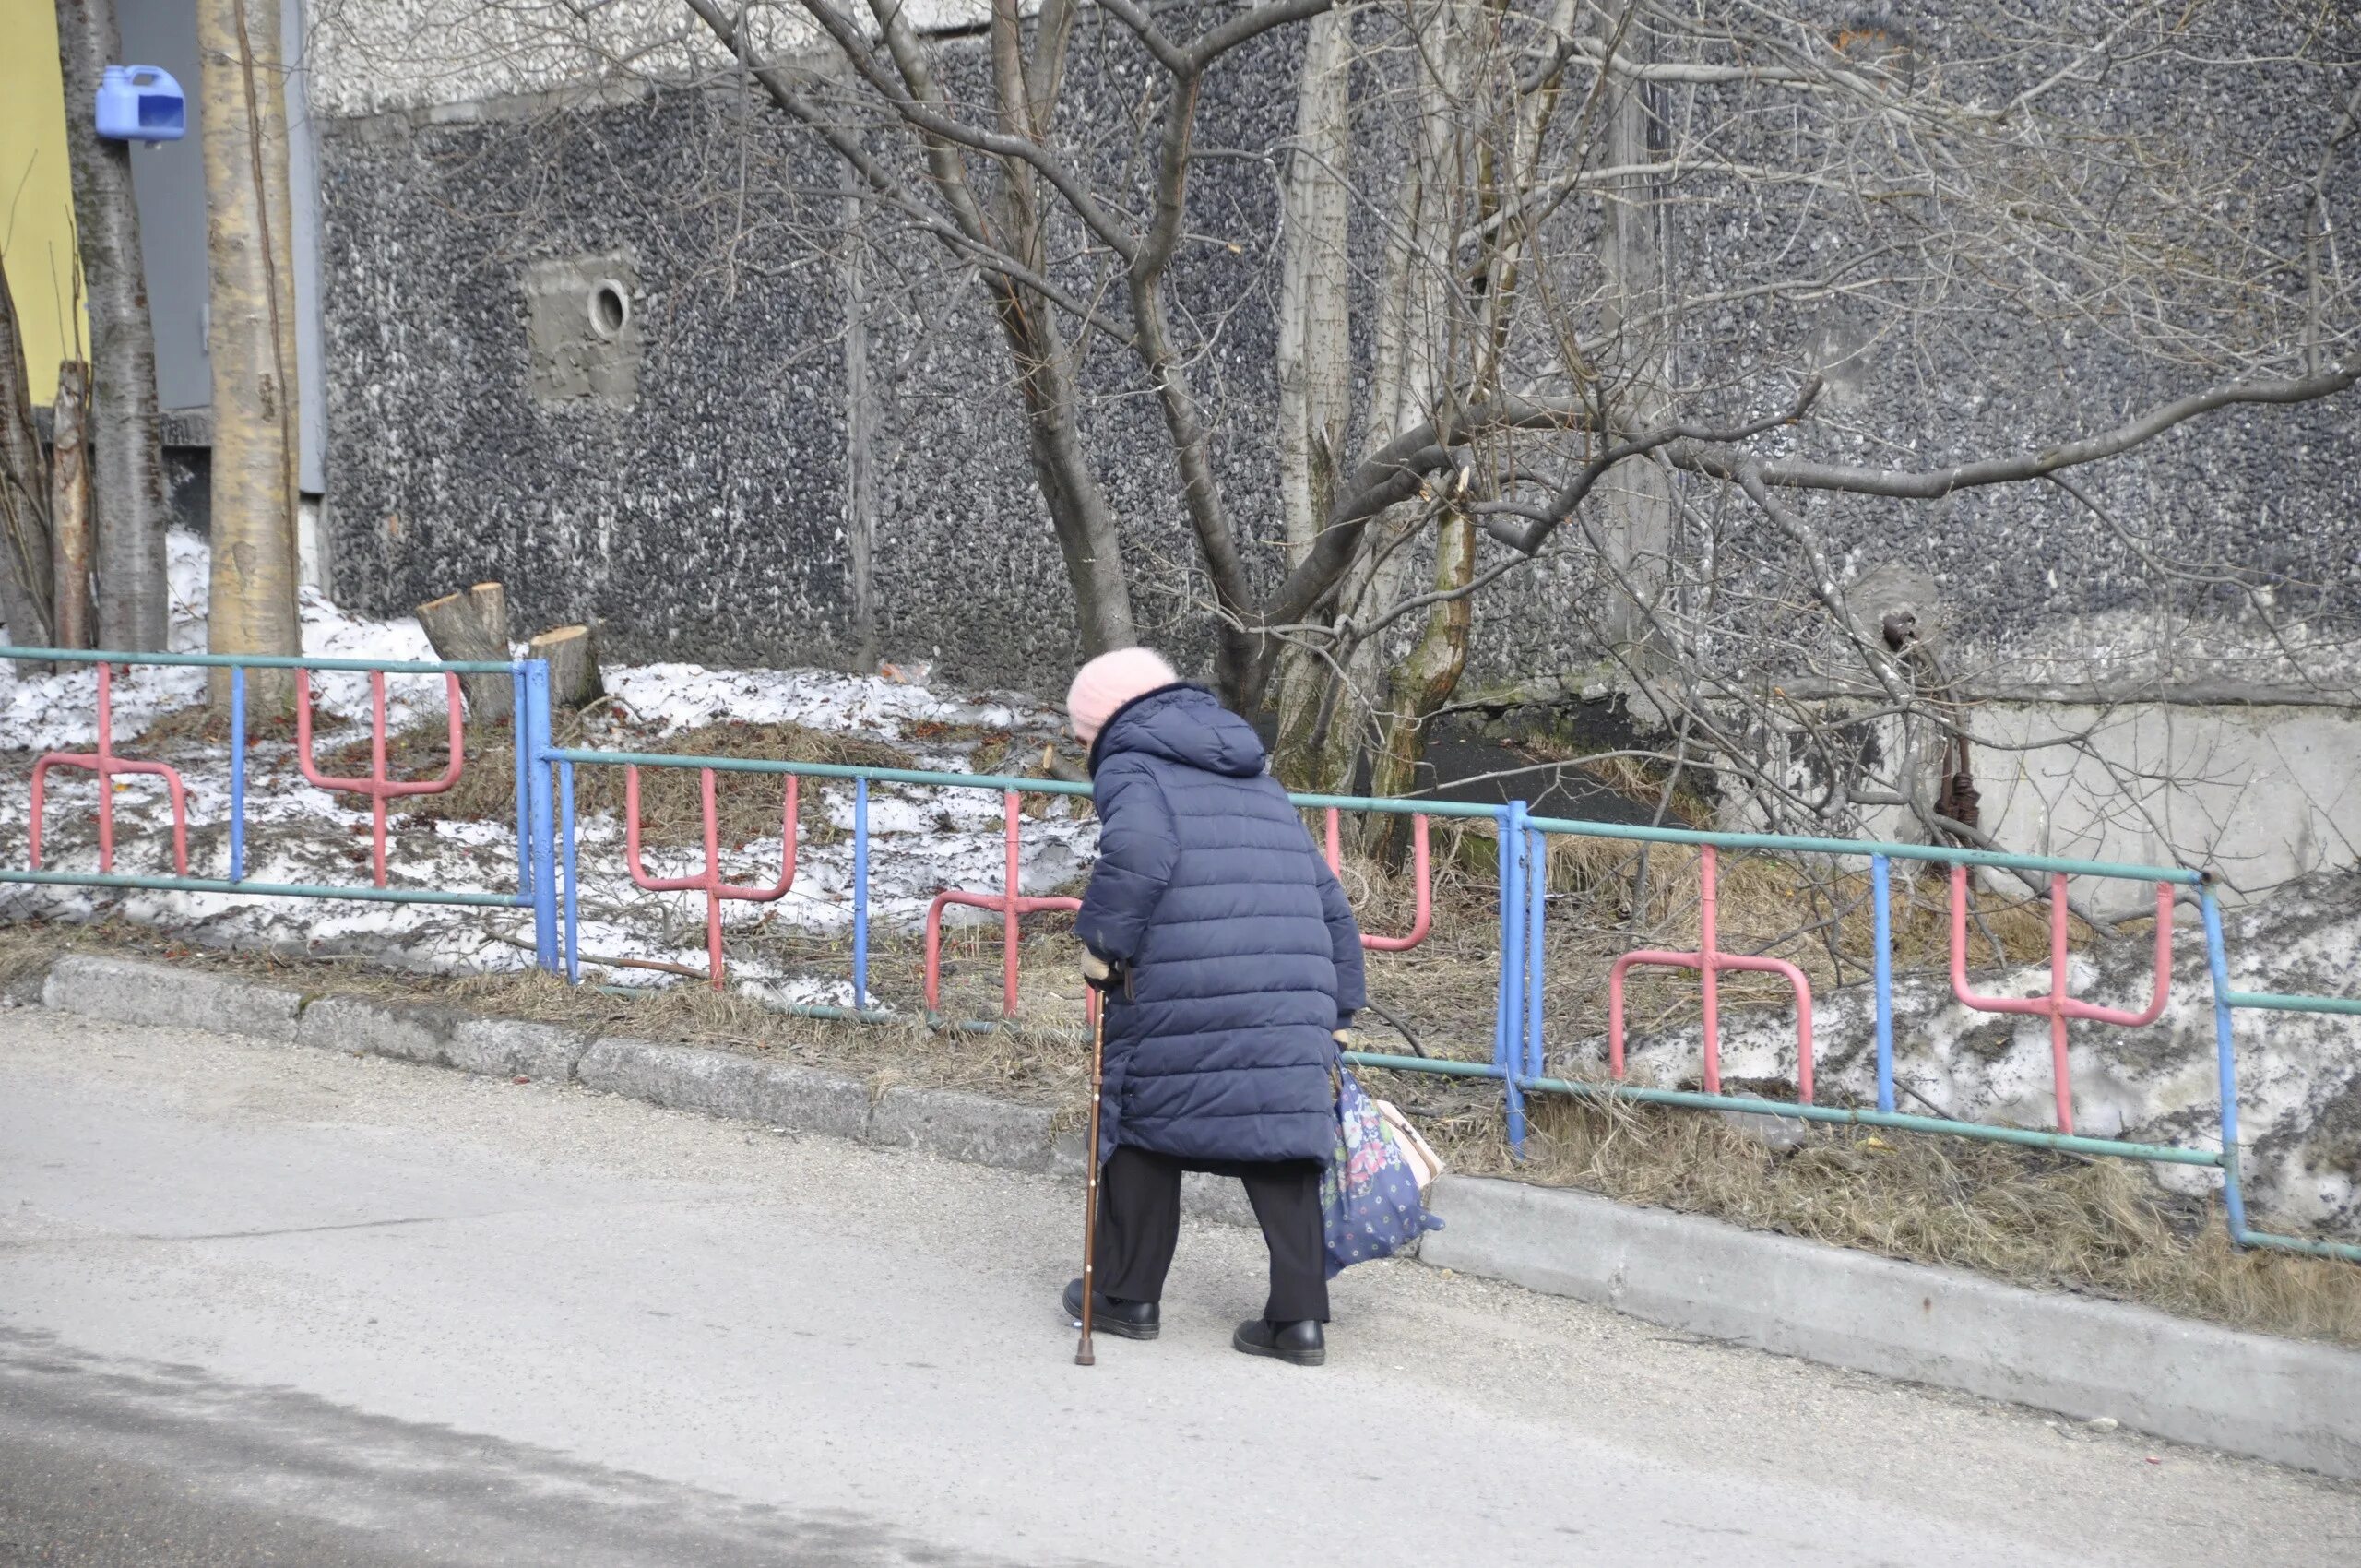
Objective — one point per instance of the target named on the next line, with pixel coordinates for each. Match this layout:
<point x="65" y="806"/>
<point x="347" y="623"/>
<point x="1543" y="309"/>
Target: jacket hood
<point x="1184" y="724"/>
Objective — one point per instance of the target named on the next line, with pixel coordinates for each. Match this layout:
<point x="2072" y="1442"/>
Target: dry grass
<point x="203" y="723"/>
<point x="2038" y="1218"/>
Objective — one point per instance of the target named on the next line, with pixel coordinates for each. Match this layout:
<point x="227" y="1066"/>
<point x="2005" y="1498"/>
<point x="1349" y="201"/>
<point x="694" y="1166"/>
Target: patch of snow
<point x="680" y="696"/>
<point x="921" y="841"/>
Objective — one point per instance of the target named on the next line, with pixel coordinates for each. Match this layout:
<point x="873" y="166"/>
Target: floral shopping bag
<point x="1369" y="1200"/>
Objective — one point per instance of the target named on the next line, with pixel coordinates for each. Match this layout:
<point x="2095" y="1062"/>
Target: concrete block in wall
<point x="581" y="337"/>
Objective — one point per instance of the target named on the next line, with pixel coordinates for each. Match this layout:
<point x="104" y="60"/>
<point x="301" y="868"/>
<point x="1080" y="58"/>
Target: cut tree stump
<point x="468" y="627"/>
<point x="572" y="653"/>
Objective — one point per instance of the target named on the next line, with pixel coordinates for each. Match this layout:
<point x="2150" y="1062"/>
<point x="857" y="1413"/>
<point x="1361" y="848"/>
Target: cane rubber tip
<point x="1084" y="1358"/>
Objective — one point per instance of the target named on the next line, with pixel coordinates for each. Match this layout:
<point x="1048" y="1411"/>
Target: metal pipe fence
<point x="536" y="887"/>
<point x="548" y="883"/>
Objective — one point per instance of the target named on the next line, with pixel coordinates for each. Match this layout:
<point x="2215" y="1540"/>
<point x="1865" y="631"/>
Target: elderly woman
<point x="1232" y="969"/>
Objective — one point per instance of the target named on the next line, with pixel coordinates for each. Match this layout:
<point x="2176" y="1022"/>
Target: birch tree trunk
<point x="1412" y="351"/>
<point x="24" y="498"/>
<point x="1638" y="496"/>
<point x="126" y="454"/>
<point x="1423" y="681"/>
<point x="249" y="219"/>
<point x="74" y="553"/>
<point x="1314" y="350"/>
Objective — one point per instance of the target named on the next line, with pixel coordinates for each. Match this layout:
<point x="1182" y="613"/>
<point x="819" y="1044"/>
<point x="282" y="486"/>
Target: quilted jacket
<point x="1238" y="949"/>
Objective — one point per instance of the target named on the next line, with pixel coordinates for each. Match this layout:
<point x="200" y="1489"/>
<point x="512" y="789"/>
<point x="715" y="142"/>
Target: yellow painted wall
<point x="36" y="191"/>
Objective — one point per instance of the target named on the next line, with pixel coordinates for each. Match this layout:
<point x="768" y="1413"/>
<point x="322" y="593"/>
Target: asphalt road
<point x="267" y="1304"/>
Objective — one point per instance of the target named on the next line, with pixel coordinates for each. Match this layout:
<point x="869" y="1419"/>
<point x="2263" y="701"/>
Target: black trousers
<point x="1139" y="1225"/>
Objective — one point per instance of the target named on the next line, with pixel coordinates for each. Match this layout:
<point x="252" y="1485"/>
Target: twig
<point x="1416" y="1048"/>
<point x="657" y="964"/>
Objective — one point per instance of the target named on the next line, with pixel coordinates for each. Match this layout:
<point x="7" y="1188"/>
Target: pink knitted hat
<point x="1110" y="680"/>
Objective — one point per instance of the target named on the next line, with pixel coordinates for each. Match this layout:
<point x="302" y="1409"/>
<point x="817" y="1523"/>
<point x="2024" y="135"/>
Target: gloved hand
<point x="1347" y="1040"/>
<point x="1098" y="974"/>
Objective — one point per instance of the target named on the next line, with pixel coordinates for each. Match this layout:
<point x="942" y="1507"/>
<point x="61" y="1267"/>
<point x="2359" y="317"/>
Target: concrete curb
<point x="949" y="1124"/>
<point x="720" y="1083"/>
<point x="958" y="1125"/>
<point x="157" y="993"/>
<point x="2285" y="1400"/>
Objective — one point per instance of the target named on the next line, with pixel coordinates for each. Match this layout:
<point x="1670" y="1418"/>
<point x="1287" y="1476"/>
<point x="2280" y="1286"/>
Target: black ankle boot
<point x="1130" y="1320"/>
<point x="1300" y="1343"/>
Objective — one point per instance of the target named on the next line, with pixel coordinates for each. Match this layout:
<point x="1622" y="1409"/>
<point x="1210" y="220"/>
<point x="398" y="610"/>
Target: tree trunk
<point x="25" y="569"/>
<point x="1332" y="724"/>
<point x="1638" y="496"/>
<point x="1423" y="681"/>
<point x="127" y="458"/>
<point x="1079" y="514"/>
<point x="1314" y="351"/>
<point x="251" y="339"/>
<point x="572" y="653"/>
<point x="471" y="627"/>
<point x="76" y="556"/>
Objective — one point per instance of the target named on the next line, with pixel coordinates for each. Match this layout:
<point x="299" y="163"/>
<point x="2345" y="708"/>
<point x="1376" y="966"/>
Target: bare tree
<point x="126" y="468"/>
<point x="1609" y="402"/>
<point x="1627" y="327"/>
<point x="73" y="547"/>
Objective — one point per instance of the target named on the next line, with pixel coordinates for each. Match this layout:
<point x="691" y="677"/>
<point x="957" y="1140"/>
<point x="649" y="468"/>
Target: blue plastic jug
<point x="141" y="104"/>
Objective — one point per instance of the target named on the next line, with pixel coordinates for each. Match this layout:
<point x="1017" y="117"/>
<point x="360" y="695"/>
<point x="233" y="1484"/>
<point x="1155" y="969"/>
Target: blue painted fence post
<point x="860" y="894"/>
<point x="1536" y="868"/>
<point x="572" y="913"/>
<point x="535" y="744"/>
<point x="2217" y="960"/>
<point x="519" y="732"/>
<point x="1880" y="892"/>
<point x="1508" y="1035"/>
<point x="238" y="773"/>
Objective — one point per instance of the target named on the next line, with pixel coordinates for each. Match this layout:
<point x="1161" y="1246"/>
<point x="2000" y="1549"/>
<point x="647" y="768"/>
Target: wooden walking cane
<point x="1097" y="1004"/>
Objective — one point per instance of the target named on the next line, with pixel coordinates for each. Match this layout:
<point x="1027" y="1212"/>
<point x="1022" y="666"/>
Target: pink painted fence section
<point x="380" y="787"/>
<point x="1422" y="872"/>
<point x="708" y="881"/>
<point x="108" y="768"/>
<point x="2058" y="1007"/>
<point x="1009" y="903"/>
<point x="1710" y="964"/>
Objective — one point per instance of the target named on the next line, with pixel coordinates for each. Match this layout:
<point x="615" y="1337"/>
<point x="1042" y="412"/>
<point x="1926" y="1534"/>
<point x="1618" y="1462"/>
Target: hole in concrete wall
<point x="582" y="329"/>
<point x="610" y="308"/>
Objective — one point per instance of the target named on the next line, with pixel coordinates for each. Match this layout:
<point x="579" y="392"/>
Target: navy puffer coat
<point x="1242" y="956"/>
